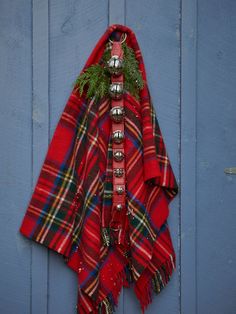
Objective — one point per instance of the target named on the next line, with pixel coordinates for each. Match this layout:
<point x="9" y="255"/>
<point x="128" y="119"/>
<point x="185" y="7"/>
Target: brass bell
<point x="120" y="190"/>
<point x="117" y="113"/>
<point x="118" y="172"/>
<point x="118" y="136"/>
<point x="118" y="155"/>
<point x="116" y="90"/>
<point x="115" y="65"/>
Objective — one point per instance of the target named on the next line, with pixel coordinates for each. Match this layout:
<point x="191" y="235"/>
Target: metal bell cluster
<point x="115" y="66"/>
<point x="117" y="113"/>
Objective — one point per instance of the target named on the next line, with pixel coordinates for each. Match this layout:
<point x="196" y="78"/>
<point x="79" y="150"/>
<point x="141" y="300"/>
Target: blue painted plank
<point x="156" y="24"/>
<point x="216" y="150"/>
<point x="40" y="133"/>
<point x="116" y="12"/>
<point x="15" y="157"/>
<point x="188" y="156"/>
<point x="75" y="27"/>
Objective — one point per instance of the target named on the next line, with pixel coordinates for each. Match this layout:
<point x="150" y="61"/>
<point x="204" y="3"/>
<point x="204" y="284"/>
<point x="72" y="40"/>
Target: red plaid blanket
<point x="75" y="186"/>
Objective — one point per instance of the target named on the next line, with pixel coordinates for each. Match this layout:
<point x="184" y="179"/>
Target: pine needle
<point x="95" y="80"/>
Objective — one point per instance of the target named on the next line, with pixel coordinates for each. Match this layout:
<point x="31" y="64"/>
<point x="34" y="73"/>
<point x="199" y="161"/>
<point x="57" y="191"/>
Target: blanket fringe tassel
<point x="106" y="236"/>
<point x="158" y="281"/>
<point x="106" y="306"/>
<point x="110" y="302"/>
<point x="156" y="284"/>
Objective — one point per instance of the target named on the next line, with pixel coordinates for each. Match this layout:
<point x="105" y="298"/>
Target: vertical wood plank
<point x="216" y="150"/>
<point x="188" y="155"/>
<point x="15" y="156"/>
<point x="40" y="116"/>
<point x="75" y="27"/>
<point x="157" y="27"/>
<point x="116" y="12"/>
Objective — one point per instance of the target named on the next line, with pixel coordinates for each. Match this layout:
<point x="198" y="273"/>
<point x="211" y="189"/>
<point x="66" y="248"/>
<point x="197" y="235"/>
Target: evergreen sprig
<point x="96" y="78"/>
<point x="133" y="78"/>
<point x="96" y="81"/>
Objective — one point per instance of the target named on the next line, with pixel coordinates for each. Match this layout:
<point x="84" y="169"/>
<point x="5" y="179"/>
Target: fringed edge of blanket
<point x="109" y="302"/>
<point x="156" y="283"/>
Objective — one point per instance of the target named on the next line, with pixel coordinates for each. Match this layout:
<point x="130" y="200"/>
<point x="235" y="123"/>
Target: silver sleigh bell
<point x="117" y="114"/>
<point x="118" y="136"/>
<point x="120" y="190"/>
<point x="116" y="90"/>
<point x="115" y="65"/>
<point x="118" y="155"/>
<point x="118" y="172"/>
<point x="119" y="207"/>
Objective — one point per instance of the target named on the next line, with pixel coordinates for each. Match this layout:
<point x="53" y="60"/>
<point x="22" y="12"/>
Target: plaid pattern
<point x="74" y="188"/>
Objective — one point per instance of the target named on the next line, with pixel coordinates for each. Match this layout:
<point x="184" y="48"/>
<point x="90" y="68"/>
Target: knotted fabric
<point x="72" y="203"/>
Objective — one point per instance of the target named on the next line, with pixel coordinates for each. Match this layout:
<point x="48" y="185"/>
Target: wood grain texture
<point x="216" y="150"/>
<point x="188" y="156"/>
<point x="117" y="12"/>
<point x="40" y="136"/>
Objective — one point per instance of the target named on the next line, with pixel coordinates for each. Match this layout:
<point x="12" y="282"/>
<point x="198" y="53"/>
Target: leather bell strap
<point x="118" y="166"/>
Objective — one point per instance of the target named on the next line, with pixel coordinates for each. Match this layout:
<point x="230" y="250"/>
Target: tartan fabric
<point x="74" y="188"/>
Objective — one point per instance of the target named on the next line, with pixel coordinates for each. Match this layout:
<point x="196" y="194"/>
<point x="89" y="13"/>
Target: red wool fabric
<point x="75" y="187"/>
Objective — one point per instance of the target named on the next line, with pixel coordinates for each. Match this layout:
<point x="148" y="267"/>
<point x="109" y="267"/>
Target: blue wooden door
<point x="190" y="56"/>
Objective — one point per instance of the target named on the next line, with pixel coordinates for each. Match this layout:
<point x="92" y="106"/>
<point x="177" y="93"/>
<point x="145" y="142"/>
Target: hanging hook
<point x="123" y="40"/>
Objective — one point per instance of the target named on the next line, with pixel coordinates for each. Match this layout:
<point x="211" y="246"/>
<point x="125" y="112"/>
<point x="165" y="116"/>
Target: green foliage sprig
<point x="133" y="81"/>
<point x="96" y="78"/>
<point x="96" y="81"/>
